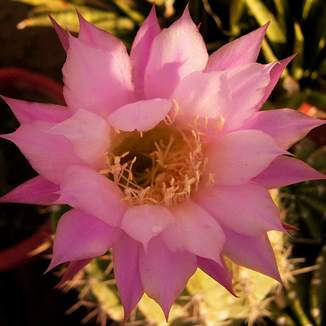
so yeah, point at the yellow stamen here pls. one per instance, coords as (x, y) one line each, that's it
(175, 165)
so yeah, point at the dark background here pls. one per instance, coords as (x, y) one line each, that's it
(27, 297)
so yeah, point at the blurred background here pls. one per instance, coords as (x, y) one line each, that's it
(31, 58)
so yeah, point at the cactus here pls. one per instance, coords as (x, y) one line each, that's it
(204, 302)
(304, 205)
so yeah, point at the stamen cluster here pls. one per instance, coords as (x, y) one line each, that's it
(165, 173)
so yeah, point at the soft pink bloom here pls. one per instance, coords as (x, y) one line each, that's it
(163, 156)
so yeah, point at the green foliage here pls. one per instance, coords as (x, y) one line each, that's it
(117, 17)
(263, 15)
(304, 206)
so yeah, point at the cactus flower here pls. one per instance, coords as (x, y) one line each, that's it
(162, 155)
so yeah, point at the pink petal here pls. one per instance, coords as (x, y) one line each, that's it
(141, 48)
(284, 171)
(97, 79)
(48, 154)
(126, 271)
(28, 112)
(275, 69)
(85, 189)
(176, 52)
(252, 252)
(81, 236)
(62, 34)
(286, 126)
(145, 222)
(73, 268)
(97, 37)
(239, 52)
(247, 87)
(253, 212)
(219, 95)
(141, 115)
(240, 156)
(164, 273)
(220, 274)
(195, 231)
(90, 135)
(34, 191)
(203, 95)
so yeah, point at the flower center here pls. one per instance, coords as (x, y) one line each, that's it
(160, 166)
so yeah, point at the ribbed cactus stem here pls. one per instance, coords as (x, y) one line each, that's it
(299, 312)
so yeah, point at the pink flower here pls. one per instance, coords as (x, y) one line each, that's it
(162, 155)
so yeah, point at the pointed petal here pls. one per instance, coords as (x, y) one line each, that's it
(141, 115)
(284, 171)
(176, 52)
(164, 273)
(286, 126)
(275, 69)
(220, 274)
(85, 189)
(34, 191)
(248, 82)
(145, 222)
(253, 82)
(256, 253)
(97, 79)
(195, 231)
(95, 36)
(253, 213)
(240, 156)
(81, 236)
(73, 268)
(90, 135)
(62, 34)
(28, 112)
(50, 155)
(239, 52)
(126, 271)
(141, 48)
